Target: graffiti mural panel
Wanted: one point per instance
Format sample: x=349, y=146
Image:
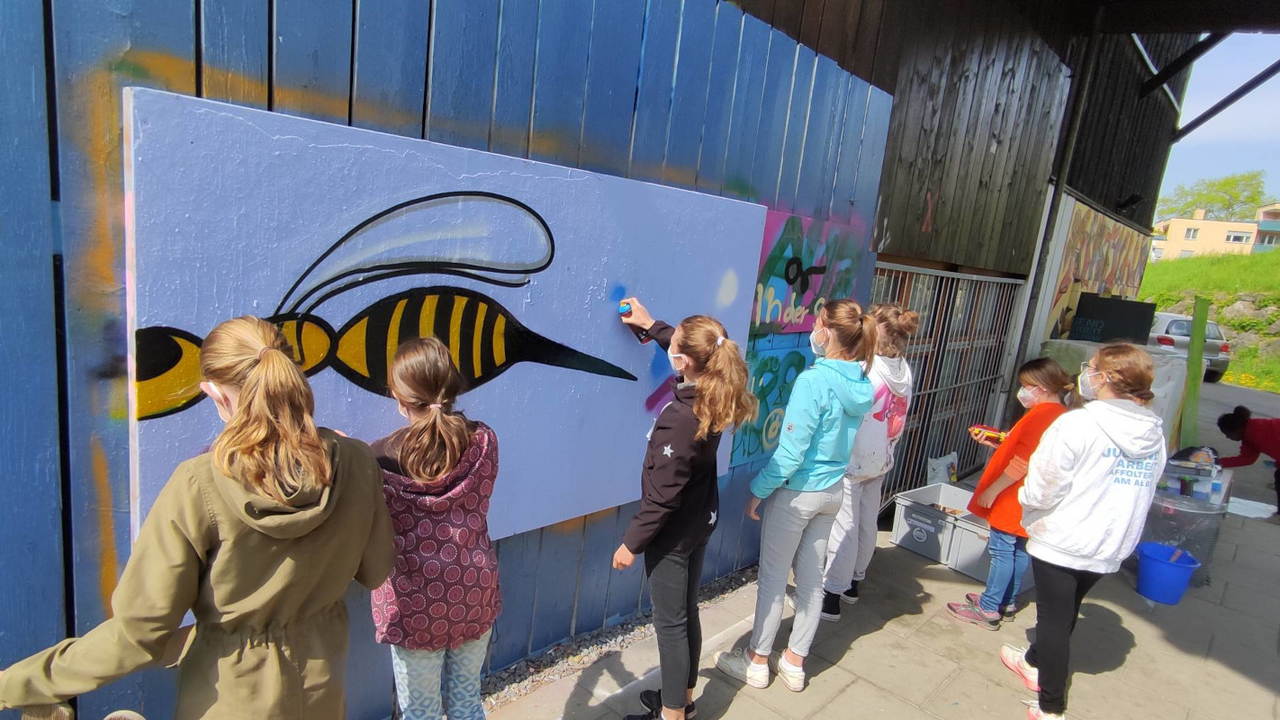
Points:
x=1101, y=256
x=354, y=241
x=803, y=263
x=773, y=374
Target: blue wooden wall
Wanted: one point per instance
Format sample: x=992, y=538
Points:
x=690, y=93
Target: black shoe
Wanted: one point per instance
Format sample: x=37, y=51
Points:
x=652, y=701
x=830, y=607
x=850, y=596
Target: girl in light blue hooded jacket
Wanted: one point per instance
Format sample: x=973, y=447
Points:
x=801, y=489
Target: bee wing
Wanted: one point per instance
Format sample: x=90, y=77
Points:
x=484, y=236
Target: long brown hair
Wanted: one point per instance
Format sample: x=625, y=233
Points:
x=723, y=398
x=424, y=380
x=855, y=332
x=271, y=443
x=896, y=325
x=1046, y=373
x=1129, y=370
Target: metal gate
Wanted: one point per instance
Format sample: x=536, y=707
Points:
x=958, y=357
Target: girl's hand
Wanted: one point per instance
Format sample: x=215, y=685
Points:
x=639, y=315
x=988, y=498
x=623, y=558
x=752, y=507
x=338, y=432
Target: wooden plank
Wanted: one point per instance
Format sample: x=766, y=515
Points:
x=611, y=89
x=511, y=633
x=867, y=188
x=817, y=171
x=850, y=145
x=233, y=40
x=557, y=581
x=721, y=90
x=513, y=92
x=788, y=16
x=391, y=66
x=797, y=124
x=971, y=37
x=463, y=50
x=779, y=78
x=761, y=9
x=653, y=99
x=311, y=61
x=722, y=555
x=596, y=570
x=878, y=45
x=975, y=253
x=811, y=22
x=839, y=20
x=564, y=36
x=624, y=585
x=745, y=121
x=689, y=97
x=749, y=536
x=100, y=48
x=33, y=602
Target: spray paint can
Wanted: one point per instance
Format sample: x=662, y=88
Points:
x=624, y=309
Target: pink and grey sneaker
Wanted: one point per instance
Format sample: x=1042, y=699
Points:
x=966, y=612
x=1035, y=713
x=1009, y=611
x=1015, y=658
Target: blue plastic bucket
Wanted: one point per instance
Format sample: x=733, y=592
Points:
x=1159, y=579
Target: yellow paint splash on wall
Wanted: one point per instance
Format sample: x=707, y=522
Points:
x=107, y=557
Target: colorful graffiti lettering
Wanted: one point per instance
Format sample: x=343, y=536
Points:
x=773, y=374
x=1102, y=256
x=803, y=263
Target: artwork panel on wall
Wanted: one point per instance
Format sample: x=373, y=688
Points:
x=353, y=241
x=773, y=374
x=1102, y=256
x=804, y=263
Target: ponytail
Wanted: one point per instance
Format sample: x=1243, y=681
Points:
x=723, y=399
x=271, y=443
x=424, y=380
x=853, y=331
x=896, y=325
x=1234, y=422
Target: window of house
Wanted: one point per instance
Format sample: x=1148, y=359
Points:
x=1187, y=253
x=1157, y=253
x=1238, y=237
x=1192, y=234
x=1268, y=240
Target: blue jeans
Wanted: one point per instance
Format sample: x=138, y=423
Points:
x=433, y=683
x=1009, y=560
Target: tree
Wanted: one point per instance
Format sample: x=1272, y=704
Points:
x=1231, y=197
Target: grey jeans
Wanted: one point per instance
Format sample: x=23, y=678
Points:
x=794, y=530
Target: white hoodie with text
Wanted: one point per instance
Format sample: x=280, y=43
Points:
x=883, y=424
x=1090, y=483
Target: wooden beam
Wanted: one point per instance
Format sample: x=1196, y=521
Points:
x=1187, y=16
x=1181, y=63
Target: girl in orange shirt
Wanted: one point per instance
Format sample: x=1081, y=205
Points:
x=1044, y=383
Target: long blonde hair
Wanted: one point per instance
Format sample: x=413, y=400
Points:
x=723, y=398
x=271, y=443
x=424, y=379
x=852, y=330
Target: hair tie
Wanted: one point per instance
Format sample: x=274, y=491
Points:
x=263, y=351
x=434, y=406
x=719, y=340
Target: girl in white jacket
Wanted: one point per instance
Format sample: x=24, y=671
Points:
x=853, y=536
x=1085, y=500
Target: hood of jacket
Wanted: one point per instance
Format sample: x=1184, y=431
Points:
x=894, y=372
x=444, y=492
x=1134, y=428
x=305, y=509
x=848, y=382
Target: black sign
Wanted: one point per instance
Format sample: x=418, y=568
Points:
x=1100, y=319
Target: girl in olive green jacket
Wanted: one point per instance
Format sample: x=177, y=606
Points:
x=259, y=538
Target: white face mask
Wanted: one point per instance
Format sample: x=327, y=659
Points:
x=1026, y=396
x=678, y=369
x=1087, y=389
x=819, y=350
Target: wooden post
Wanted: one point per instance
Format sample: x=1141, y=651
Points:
x=1195, y=373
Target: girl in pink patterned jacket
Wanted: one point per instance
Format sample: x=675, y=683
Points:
x=437, y=608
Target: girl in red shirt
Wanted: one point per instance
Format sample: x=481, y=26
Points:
x=1257, y=436
x=1044, y=383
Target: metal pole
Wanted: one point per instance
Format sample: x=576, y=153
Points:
x=1181, y=63
x=1272, y=70
x=1195, y=374
x=1079, y=95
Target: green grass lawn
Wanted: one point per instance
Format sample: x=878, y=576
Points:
x=1222, y=278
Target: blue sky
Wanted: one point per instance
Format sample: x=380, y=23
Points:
x=1245, y=136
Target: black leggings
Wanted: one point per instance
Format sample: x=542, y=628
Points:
x=673, y=585
x=1059, y=592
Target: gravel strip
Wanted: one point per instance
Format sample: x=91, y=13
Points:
x=577, y=653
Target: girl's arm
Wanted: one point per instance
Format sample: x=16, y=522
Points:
x=667, y=470
x=1015, y=471
x=1248, y=455
x=1050, y=471
x=380, y=549
x=159, y=584
x=798, y=426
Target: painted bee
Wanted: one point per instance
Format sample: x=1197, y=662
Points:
x=431, y=235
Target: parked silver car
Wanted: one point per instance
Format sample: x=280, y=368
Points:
x=1174, y=331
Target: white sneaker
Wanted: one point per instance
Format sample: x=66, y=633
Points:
x=1015, y=658
x=791, y=676
x=738, y=665
x=1035, y=713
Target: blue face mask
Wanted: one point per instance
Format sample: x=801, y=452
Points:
x=818, y=350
